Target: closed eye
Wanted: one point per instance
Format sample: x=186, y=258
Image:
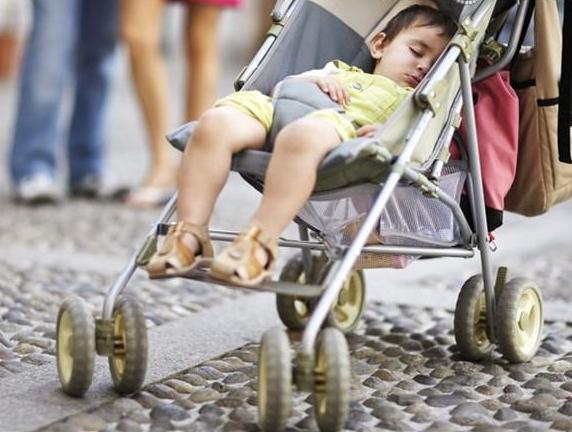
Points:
x=415, y=52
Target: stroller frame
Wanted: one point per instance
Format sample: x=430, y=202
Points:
x=127, y=348
x=332, y=284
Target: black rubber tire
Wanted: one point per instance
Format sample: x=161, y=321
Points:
x=332, y=381
x=274, y=380
x=470, y=323
x=294, y=312
x=128, y=364
x=75, y=346
x=519, y=334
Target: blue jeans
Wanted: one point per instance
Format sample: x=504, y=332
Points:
x=71, y=46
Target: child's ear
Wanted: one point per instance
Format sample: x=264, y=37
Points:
x=377, y=44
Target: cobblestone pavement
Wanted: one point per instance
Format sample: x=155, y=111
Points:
x=31, y=290
x=406, y=375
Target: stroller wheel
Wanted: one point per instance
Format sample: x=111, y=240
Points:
x=294, y=312
x=75, y=346
x=274, y=380
x=332, y=380
x=128, y=363
x=471, y=320
x=519, y=320
x=347, y=310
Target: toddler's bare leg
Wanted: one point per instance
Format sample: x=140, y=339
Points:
x=221, y=132
x=289, y=181
x=291, y=175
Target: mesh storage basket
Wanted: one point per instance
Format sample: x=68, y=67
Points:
x=409, y=218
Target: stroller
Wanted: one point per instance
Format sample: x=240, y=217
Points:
x=396, y=186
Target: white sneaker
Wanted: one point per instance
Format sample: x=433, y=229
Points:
x=37, y=189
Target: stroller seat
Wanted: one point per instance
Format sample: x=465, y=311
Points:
x=357, y=161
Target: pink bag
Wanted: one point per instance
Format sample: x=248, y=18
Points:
x=496, y=113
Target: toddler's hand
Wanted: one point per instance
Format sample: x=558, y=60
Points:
x=333, y=88
x=367, y=130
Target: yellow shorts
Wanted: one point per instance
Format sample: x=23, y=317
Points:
x=259, y=106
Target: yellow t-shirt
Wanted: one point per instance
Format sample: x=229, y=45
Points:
x=373, y=98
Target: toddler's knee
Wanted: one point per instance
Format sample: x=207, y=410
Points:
x=299, y=136
x=213, y=123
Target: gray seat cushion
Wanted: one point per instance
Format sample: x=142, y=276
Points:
x=353, y=162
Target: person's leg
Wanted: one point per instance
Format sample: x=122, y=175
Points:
x=45, y=71
x=290, y=179
x=201, y=38
x=95, y=63
x=264, y=22
x=291, y=175
x=141, y=30
x=221, y=132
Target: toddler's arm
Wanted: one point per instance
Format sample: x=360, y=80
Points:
x=325, y=79
x=367, y=130
x=329, y=85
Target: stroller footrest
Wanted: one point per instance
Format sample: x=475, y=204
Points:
x=200, y=274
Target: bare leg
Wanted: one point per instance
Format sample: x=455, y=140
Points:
x=221, y=132
x=141, y=27
x=290, y=179
x=264, y=21
x=291, y=175
x=202, y=56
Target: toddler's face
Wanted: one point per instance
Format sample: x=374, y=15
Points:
x=407, y=58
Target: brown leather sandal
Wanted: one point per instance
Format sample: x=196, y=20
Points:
x=174, y=258
x=238, y=264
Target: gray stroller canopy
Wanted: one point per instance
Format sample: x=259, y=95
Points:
x=318, y=31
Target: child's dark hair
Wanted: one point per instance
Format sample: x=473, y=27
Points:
x=425, y=16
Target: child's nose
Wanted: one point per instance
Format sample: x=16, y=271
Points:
x=422, y=67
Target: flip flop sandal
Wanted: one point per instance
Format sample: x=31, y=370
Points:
x=238, y=264
x=174, y=258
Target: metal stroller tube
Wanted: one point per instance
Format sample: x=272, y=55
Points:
x=511, y=48
x=128, y=271
x=481, y=220
x=339, y=271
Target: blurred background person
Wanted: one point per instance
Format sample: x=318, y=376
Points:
x=14, y=21
x=141, y=30
x=70, y=47
x=264, y=21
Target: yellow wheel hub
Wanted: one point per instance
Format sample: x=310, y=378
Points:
x=301, y=304
x=350, y=301
x=65, y=346
x=301, y=307
x=528, y=320
x=320, y=384
x=119, y=342
x=480, y=321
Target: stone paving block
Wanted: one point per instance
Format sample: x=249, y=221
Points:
x=225, y=398
x=403, y=357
